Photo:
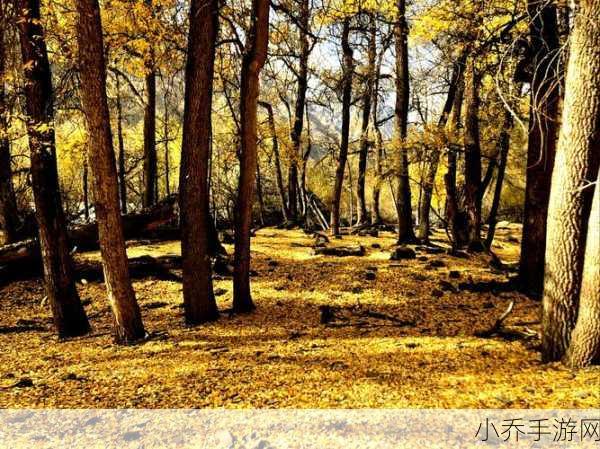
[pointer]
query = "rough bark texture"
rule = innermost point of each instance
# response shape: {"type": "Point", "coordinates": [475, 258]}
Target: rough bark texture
{"type": "Point", "coordinates": [577, 161]}
{"type": "Point", "coordinates": [348, 71]}
{"type": "Point", "coordinates": [472, 167]}
{"type": "Point", "coordinates": [254, 58]}
{"type": "Point", "coordinates": [198, 297]}
{"type": "Point", "coordinates": [543, 128]}
{"type": "Point", "coordinates": [69, 316]}
{"type": "Point", "coordinates": [366, 114]}
{"type": "Point", "coordinates": [150, 158]}
{"type": "Point", "coordinates": [128, 325]}
{"type": "Point", "coordinates": [403, 197]}
{"type": "Point", "coordinates": [9, 219]}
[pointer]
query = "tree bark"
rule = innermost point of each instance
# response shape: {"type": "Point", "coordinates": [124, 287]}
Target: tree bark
{"type": "Point", "coordinates": [68, 313]}
{"type": "Point", "coordinates": [254, 58]}
{"type": "Point", "coordinates": [472, 175]}
{"type": "Point", "coordinates": [198, 297]}
{"type": "Point", "coordinates": [366, 114]}
{"type": "Point", "coordinates": [128, 325]}
{"type": "Point", "coordinates": [9, 217]}
{"type": "Point", "coordinates": [348, 71]}
{"type": "Point", "coordinates": [150, 157]}
{"type": "Point", "coordinates": [403, 197]}
{"type": "Point", "coordinates": [543, 128]}
{"type": "Point", "coordinates": [86, 197]}
{"type": "Point", "coordinates": [577, 162]}
{"type": "Point", "coordinates": [121, 156]}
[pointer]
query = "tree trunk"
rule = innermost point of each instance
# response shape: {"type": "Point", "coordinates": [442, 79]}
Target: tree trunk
{"type": "Point", "coordinates": [86, 197]}
{"type": "Point", "coordinates": [150, 158]}
{"type": "Point", "coordinates": [543, 127]}
{"type": "Point", "coordinates": [366, 114]}
{"type": "Point", "coordinates": [166, 149]}
{"type": "Point", "coordinates": [259, 194]}
{"type": "Point", "coordinates": [9, 218]}
{"type": "Point", "coordinates": [472, 203]}
{"type": "Point", "coordinates": [121, 157]}
{"type": "Point", "coordinates": [504, 146]}
{"type": "Point", "coordinates": [348, 69]}
{"type": "Point", "coordinates": [577, 161]}
{"type": "Point", "coordinates": [69, 316]}
{"type": "Point", "coordinates": [254, 58]}
{"type": "Point", "coordinates": [198, 297]}
{"type": "Point", "coordinates": [432, 167]}
{"type": "Point", "coordinates": [128, 325]}
{"type": "Point", "coordinates": [403, 198]}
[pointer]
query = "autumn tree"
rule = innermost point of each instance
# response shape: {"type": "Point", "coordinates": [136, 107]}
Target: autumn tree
{"type": "Point", "coordinates": [69, 316]}
{"type": "Point", "coordinates": [198, 297]}
{"type": "Point", "coordinates": [128, 325]}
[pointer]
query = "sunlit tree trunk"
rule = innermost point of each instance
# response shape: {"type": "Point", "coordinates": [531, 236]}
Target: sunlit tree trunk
{"type": "Point", "coordinates": [128, 325]}
{"type": "Point", "coordinates": [348, 69]}
{"type": "Point", "coordinates": [366, 114]}
{"type": "Point", "coordinates": [253, 60]}
{"type": "Point", "coordinates": [576, 166]}
{"type": "Point", "coordinates": [198, 297]}
{"type": "Point", "coordinates": [69, 316]}
{"type": "Point", "coordinates": [543, 128]}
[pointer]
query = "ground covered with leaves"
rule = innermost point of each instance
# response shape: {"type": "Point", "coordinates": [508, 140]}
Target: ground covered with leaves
{"type": "Point", "coordinates": [402, 334]}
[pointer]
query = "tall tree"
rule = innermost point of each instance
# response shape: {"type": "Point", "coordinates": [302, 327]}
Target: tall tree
{"type": "Point", "coordinates": [347, 74]}
{"type": "Point", "coordinates": [198, 297]}
{"type": "Point", "coordinates": [403, 197]}
{"type": "Point", "coordinates": [150, 156]}
{"type": "Point", "coordinates": [121, 153]}
{"type": "Point", "coordinates": [570, 291]}
{"type": "Point", "coordinates": [69, 316]}
{"type": "Point", "coordinates": [543, 128]}
{"type": "Point", "coordinates": [128, 326]}
{"type": "Point", "coordinates": [254, 58]}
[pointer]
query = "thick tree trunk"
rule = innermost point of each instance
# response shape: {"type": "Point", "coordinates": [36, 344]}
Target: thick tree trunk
{"type": "Point", "coordinates": [543, 128]}
{"type": "Point", "coordinates": [403, 197]}
{"type": "Point", "coordinates": [577, 162]}
{"type": "Point", "coordinates": [472, 167]}
{"type": "Point", "coordinates": [504, 146]}
{"type": "Point", "coordinates": [128, 325]}
{"type": "Point", "coordinates": [9, 218]}
{"type": "Point", "coordinates": [366, 114]}
{"type": "Point", "coordinates": [254, 58]}
{"type": "Point", "coordinates": [348, 70]}
{"type": "Point", "coordinates": [121, 157]}
{"type": "Point", "coordinates": [69, 316]}
{"type": "Point", "coordinates": [150, 158]}
{"type": "Point", "coordinates": [198, 297]}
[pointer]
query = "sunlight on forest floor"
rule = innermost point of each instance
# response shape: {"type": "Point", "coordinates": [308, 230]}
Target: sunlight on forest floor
{"type": "Point", "coordinates": [281, 356]}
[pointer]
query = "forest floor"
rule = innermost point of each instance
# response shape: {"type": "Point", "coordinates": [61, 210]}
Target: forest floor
{"type": "Point", "coordinates": [400, 338]}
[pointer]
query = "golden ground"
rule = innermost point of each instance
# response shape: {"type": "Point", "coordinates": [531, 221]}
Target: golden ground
{"type": "Point", "coordinates": [281, 356]}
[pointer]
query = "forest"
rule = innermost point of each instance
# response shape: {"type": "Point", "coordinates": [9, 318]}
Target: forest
{"type": "Point", "coordinates": [300, 204]}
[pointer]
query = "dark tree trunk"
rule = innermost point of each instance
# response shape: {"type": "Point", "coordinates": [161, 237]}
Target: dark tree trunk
{"type": "Point", "coordinates": [86, 197]}
{"type": "Point", "coordinates": [432, 166]}
{"type": "Point", "coordinates": [198, 297]}
{"type": "Point", "coordinates": [121, 157]}
{"type": "Point", "coordinates": [472, 175]}
{"type": "Point", "coordinates": [254, 58]}
{"type": "Point", "coordinates": [69, 316]}
{"type": "Point", "coordinates": [403, 197]}
{"type": "Point", "coordinates": [128, 325]}
{"type": "Point", "coordinates": [150, 158]}
{"type": "Point", "coordinates": [567, 287]}
{"type": "Point", "coordinates": [9, 218]}
{"type": "Point", "coordinates": [504, 146]}
{"type": "Point", "coordinates": [543, 128]}
{"type": "Point", "coordinates": [348, 70]}
{"type": "Point", "coordinates": [366, 114]}
{"type": "Point", "coordinates": [259, 194]}
{"type": "Point", "coordinates": [166, 154]}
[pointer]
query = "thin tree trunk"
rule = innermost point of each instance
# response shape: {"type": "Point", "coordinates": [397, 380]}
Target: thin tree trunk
{"type": "Point", "coordinates": [9, 218]}
{"type": "Point", "coordinates": [69, 316]}
{"type": "Point", "coordinates": [128, 325]}
{"type": "Point", "coordinates": [403, 198]}
{"type": "Point", "coordinates": [121, 156]}
{"type": "Point", "coordinates": [504, 146]}
{"type": "Point", "coordinates": [577, 162]}
{"type": "Point", "coordinates": [348, 69]}
{"type": "Point", "coordinates": [254, 58]}
{"type": "Point", "coordinates": [259, 194]}
{"type": "Point", "coordinates": [366, 114]}
{"type": "Point", "coordinates": [305, 157]}
{"type": "Point", "coordinates": [86, 197]}
{"type": "Point", "coordinates": [543, 128]}
{"type": "Point", "coordinates": [472, 166]}
{"type": "Point", "coordinates": [166, 155]}
{"type": "Point", "coordinates": [198, 297]}
{"type": "Point", "coordinates": [150, 159]}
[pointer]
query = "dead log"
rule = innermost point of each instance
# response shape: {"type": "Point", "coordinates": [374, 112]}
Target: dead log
{"type": "Point", "coordinates": [340, 251]}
